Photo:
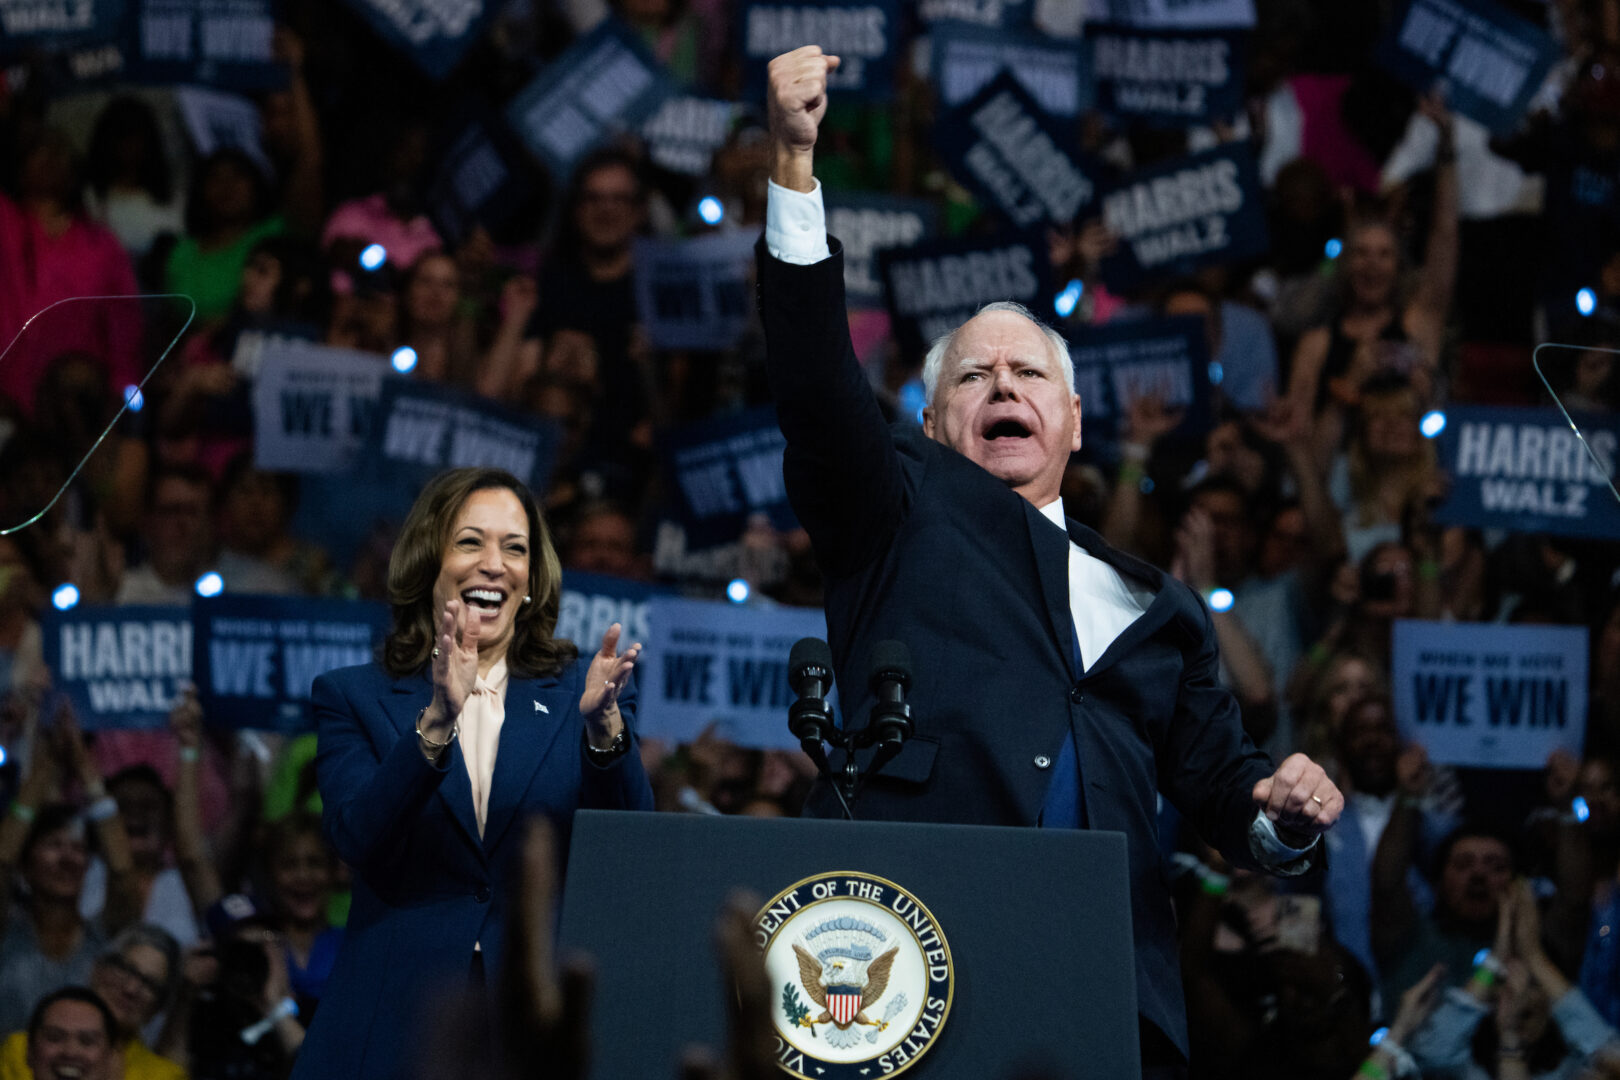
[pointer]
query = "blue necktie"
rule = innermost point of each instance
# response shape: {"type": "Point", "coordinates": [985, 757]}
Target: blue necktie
{"type": "Point", "coordinates": [1063, 808]}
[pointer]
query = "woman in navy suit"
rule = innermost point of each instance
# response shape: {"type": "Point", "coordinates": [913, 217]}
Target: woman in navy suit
{"type": "Point", "coordinates": [474, 719]}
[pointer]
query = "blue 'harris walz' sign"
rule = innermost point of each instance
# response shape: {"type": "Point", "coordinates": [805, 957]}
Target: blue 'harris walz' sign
{"type": "Point", "coordinates": [1202, 210]}
{"type": "Point", "coordinates": [1525, 470]}
{"type": "Point", "coordinates": [435, 34]}
{"type": "Point", "coordinates": [121, 667]}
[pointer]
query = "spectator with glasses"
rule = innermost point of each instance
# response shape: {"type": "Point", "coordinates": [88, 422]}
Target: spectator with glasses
{"type": "Point", "coordinates": [136, 977]}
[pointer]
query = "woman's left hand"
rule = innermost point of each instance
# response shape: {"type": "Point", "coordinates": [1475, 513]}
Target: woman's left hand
{"type": "Point", "coordinates": [608, 675]}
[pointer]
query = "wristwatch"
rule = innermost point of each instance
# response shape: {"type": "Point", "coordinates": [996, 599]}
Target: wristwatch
{"type": "Point", "coordinates": [612, 752]}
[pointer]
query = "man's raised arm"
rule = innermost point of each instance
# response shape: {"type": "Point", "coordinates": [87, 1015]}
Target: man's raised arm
{"type": "Point", "coordinates": [843, 475]}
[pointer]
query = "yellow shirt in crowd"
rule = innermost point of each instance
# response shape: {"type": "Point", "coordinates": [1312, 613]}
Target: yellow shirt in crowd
{"type": "Point", "coordinates": [139, 1062]}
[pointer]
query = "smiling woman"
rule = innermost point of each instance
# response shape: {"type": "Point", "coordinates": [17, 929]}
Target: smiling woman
{"type": "Point", "coordinates": [475, 719]}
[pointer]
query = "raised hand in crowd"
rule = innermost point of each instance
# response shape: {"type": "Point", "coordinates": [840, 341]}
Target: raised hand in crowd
{"type": "Point", "coordinates": [1146, 420]}
{"type": "Point", "coordinates": [125, 897]}
{"type": "Point", "coordinates": [197, 870]}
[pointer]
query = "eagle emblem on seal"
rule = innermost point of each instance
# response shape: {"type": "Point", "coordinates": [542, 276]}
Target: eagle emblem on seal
{"type": "Point", "coordinates": [845, 973]}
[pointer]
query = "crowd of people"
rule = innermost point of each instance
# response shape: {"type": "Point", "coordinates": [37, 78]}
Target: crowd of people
{"type": "Point", "coordinates": [169, 898]}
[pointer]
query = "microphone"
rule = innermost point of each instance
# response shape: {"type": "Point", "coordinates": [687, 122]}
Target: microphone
{"type": "Point", "coordinates": [810, 673]}
{"type": "Point", "coordinates": [890, 680]}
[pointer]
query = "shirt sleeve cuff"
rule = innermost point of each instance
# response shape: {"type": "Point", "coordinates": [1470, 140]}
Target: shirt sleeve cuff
{"type": "Point", "coordinates": [795, 224]}
{"type": "Point", "coordinates": [1270, 850]}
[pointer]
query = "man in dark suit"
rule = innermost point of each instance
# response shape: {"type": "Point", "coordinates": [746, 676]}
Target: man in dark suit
{"type": "Point", "coordinates": [1056, 681]}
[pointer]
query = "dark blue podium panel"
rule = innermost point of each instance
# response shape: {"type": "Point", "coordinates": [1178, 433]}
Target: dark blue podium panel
{"type": "Point", "coordinates": [1038, 924]}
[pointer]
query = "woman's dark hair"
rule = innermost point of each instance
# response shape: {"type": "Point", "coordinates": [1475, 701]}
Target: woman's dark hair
{"type": "Point", "coordinates": [197, 212]}
{"type": "Point", "coordinates": [304, 293]}
{"type": "Point", "coordinates": [1541, 1057]}
{"type": "Point", "coordinates": [47, 820]}
{"type": "Point", "coordinates": [241, 466]}
{"type": "Point", "coordinates": [419, 553]}
{"type": "Point", "coordinates": [36, 1019]}
{"type": "Point", "coordinates": [566, 241]}
{"type": "Point", "coordinates": [283, 833]}
{"type": "Point", "coordinates": [123, 117]}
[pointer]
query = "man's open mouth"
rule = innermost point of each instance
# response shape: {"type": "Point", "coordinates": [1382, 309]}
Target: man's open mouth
{"type": "Point", "coordinates": [484, 599]}
{"type": "Point", "coordinates": [1006, 429]}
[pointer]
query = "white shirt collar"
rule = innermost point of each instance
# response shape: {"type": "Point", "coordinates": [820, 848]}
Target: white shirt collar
{"type": "Point", "coordinates": [1053, 512]}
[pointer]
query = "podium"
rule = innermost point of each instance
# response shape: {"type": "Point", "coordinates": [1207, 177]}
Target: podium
{"type": "Point", "coordinates": [1035, 925]}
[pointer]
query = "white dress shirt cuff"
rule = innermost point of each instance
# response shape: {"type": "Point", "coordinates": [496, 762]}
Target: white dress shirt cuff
{"type": "Point", "coordinates": [1272, 853]}
{"type": "Point", "coordinates": [795, 224]}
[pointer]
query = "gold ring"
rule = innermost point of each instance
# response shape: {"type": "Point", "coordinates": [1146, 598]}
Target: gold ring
{"type": "Point", "coordinates": [1317, 799]}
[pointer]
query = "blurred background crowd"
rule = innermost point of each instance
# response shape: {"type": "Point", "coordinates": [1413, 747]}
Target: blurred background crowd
{"type": "Point", "coordinates": [1415, 260]}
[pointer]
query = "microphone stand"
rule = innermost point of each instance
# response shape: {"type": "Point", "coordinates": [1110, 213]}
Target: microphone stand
{"type": "Point", "coordinates": [888, 726]}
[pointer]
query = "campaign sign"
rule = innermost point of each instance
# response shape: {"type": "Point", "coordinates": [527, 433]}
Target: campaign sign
{"type": "Point", "coordinates": [1117, 363]}
{"type": "Point", "coordinates": [684, 133]}
{"type": "Point", "coordinates": [1490, 61]}
{"type": "Point", "coordinates": [313, 406]}
{"type": "Point", "coordinates": [1186, 13]}
{"type": "Point", "coordinates": [866, 224]}
{"type": "Point", "coordinates": [863, 34]}
{"type": "Point", "coordinates": [1005, 150]}
{"type": "Point", "coordinates": [1168, 77]}
{"type": "Point", "coordinates": [604, 83]}
{"type": "Point", "coordinates": [481, 180]}
{"type": "Point", "coordinates": [709, 662]}
{"type": "Point", "coordinates": [1490, 696]}
{"type": "Point", "coordinates": [935, 287]}
{"type": "Point", "coordinates": [424, 428]}
{"type": "Point", "coordinates": [991, 14]}
{"type": "Point", "coordinates": [122, 667]}
{"type": "Point", "coordinates": [1182, 216]}
{"type": "Point", "coordinates": [435, 34]}
{"type": "Point", "coordinates": [726, 469]}
{"type": "Point", "coordinates": [965, 58]}
{"type": "Point", "coordinates": [1523, 469]}
{"type": "Point", "coordinates": [693, 294]}
{"type": "Point", "coordinates": [217, 121]}
{"type": "Point", "coordinates": [256, 656]}
{"type": "Point", "coordinates": [220, 43]}
{"type": "Point", "coordinates": [593, 602]}
{"type": "Point", "coordinates": [52, 26]}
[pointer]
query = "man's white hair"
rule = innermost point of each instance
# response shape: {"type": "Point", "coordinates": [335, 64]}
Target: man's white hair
{"type": "Point", "coordinates": [934, 362]}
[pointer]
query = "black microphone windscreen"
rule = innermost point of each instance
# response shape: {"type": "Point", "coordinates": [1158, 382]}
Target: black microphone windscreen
{"type": "Point", "coordinates": [893, 659]}
{"type": "Point", "coordinates": [808, 653]}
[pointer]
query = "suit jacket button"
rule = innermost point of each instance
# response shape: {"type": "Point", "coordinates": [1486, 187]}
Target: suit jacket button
{"type": "Point", "coordinates": [1042, 761]}
{"type": "Point", "coordinates": [1076, 695]}
{"type": "Point", "coordinates": [483, 894]}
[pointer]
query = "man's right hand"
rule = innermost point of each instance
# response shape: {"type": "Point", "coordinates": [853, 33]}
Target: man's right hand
{"type": "Point", "coordinates": [796, 100]}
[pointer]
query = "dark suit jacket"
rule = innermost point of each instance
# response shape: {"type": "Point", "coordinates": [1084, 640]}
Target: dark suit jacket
{"type": "Point", "coordinates": [921, 545]}
{"type": "Point", "coordinates": [426, 887]}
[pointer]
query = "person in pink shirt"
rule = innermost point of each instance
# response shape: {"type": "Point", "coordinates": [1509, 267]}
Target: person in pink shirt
{"type": "Point", "coordinates": [51, 251]}
{"type": "Point", "coordinates": [393, 217]}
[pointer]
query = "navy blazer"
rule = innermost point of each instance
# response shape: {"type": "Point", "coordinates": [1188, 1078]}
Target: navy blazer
{"type": "Point", "coordinates": [426, 887]}
{"type": "Point", "coordinates": [921, 545]}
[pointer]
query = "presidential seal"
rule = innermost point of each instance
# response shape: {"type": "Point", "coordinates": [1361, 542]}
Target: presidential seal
{"type": "Point", "coordinates": [861, 976]}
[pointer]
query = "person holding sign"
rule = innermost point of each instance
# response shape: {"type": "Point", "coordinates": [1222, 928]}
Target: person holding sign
{"type": "Point", "coordinates": [474, 719]}
{"type": "Point", "coordinates": [1056, 681]}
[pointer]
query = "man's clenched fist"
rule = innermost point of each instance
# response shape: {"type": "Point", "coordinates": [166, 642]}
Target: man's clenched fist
{"type": "Point", "coordinates": [796, 100]}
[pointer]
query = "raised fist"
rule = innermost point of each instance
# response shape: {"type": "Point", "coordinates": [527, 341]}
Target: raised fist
{"type": "Point", "coordinates": [796, 96]}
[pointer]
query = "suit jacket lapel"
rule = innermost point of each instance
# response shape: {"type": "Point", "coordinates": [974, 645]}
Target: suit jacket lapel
{"type": "Point", "coordinates": [1052, 563]}
{"type": "Point", "coordinates": [409, 697]}
{"type": "Point", "coordinates": [1146, 625]}
{"type": "Point", "coordinates": [528, 735]}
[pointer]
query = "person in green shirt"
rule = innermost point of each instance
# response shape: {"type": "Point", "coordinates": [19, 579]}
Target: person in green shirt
{"type": "Point", "coordinates": [229, 211]}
